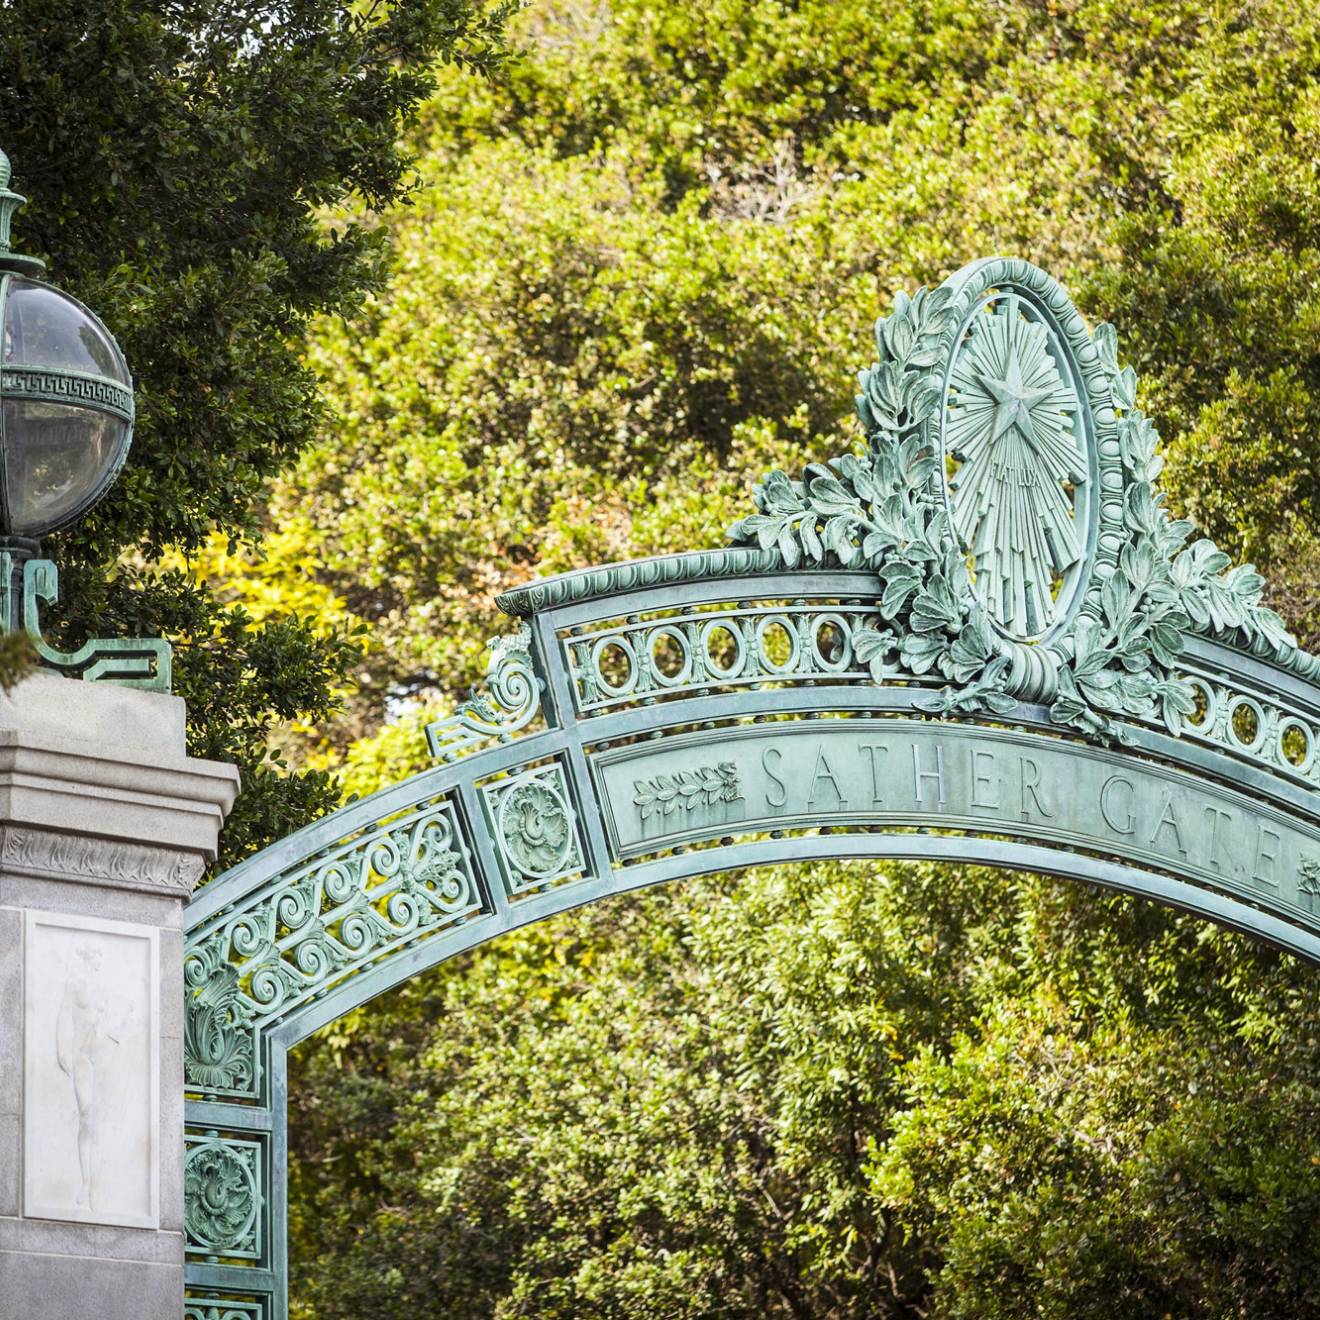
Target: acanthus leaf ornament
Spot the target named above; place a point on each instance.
(1007, 503)
(218, 1042)
(883, 510)
(125, 865)
(1124, 661)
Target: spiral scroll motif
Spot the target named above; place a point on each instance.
(208, 1308)
(388, 886)
(505, 705)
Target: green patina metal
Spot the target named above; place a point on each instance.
(979, 637)
(141, 662)
(68, 391)
(10, 204)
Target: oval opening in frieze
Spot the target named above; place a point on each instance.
(1019, 465)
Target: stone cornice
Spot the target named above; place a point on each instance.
(53, 784)
(46, 854)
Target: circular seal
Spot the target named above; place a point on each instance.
(1030, 474)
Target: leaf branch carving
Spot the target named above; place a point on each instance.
(881, 511)
(1125, 663)
(685, 790)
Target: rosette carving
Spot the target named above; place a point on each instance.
(535, 827)
(221, 1198)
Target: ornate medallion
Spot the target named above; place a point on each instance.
(1016, 467)
(536, 828)
(220, 1195)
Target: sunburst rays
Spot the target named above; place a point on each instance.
(1009, 429)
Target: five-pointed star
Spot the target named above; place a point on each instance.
(1013, 403)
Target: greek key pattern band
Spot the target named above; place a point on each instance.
(67, 387)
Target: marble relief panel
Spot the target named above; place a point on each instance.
(91, 1071)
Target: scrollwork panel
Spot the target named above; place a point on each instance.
(393, 884)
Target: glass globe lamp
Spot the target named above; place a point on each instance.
(66, 420)
(66, 399)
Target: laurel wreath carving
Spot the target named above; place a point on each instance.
(1125, 663)
(881, 511)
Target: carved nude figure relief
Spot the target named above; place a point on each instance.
(92, 1067)
(84, 1049)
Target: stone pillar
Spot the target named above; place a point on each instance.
(105, 826)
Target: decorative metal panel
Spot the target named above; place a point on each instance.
(223, 1184)
(312, 925)
(1257, 726)
(535, 829)
(698, 649)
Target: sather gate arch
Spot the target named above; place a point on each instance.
(980, 637)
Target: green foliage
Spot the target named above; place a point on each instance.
(1129, 1171)
(643, 269)
(551, 369)
(847, 1093)
(176, 157)
(17, 659)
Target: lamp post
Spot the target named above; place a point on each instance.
(66, 422)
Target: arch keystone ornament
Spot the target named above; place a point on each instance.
(1025, 661)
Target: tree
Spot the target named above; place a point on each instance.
(182, 160)
(853, 1092)
(644, 266)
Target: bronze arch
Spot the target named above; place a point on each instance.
(871, 670)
